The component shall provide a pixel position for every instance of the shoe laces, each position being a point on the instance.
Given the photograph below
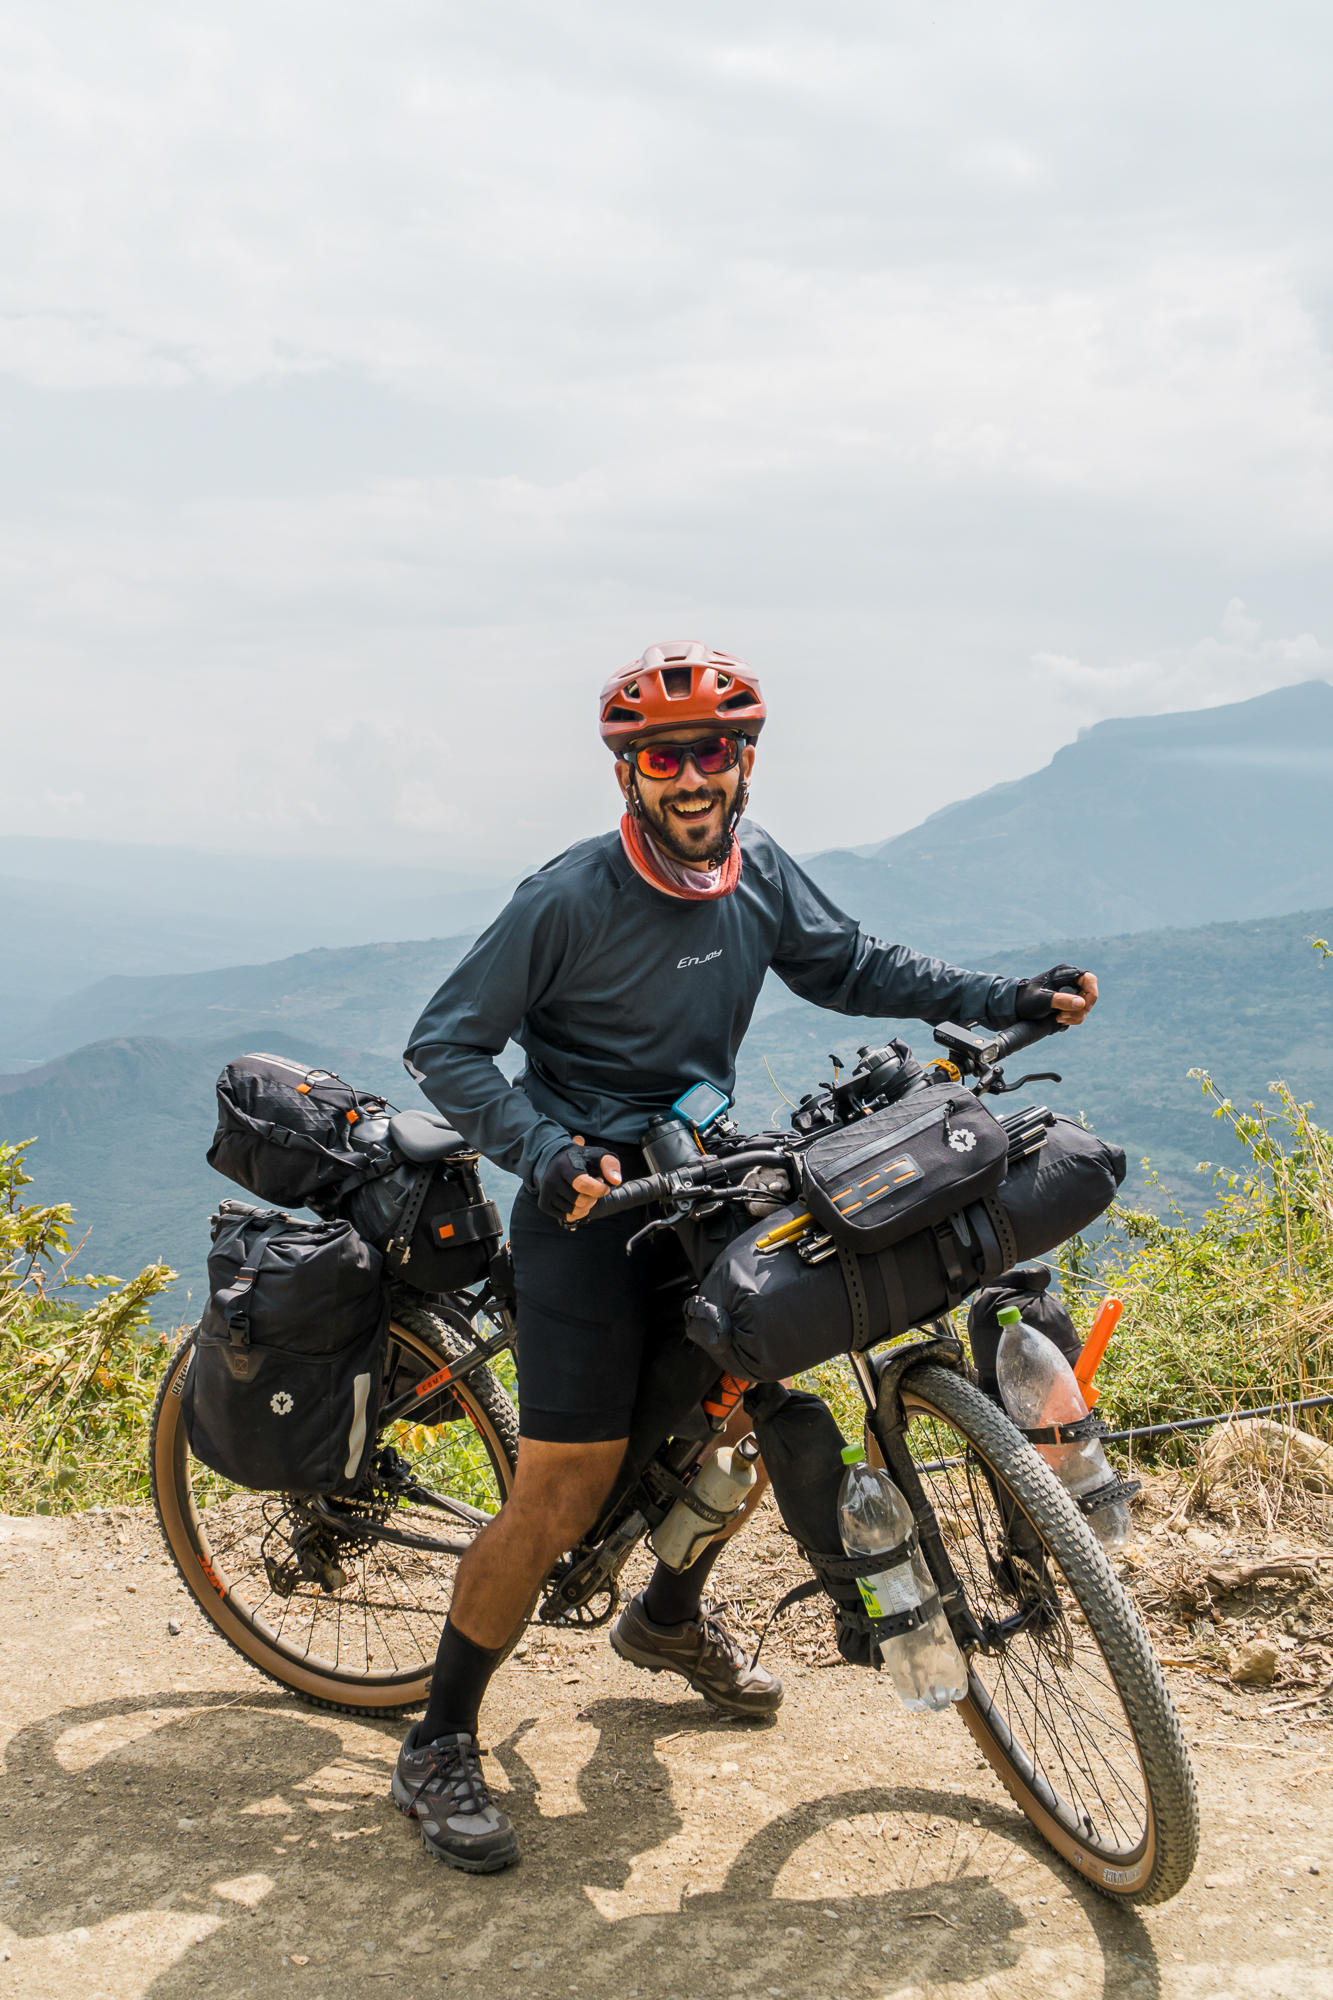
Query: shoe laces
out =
(454, 1764)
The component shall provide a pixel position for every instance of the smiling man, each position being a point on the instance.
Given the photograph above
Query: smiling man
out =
(627, 969)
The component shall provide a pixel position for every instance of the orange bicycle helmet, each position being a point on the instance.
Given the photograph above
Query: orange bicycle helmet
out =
(679, 684)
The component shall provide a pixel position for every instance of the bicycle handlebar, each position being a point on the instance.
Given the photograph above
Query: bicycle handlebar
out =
(636, 1194)
(1023, 1034)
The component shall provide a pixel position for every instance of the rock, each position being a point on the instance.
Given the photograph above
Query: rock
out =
(1272, 1447)
(1255, 1663)
(174, 1627)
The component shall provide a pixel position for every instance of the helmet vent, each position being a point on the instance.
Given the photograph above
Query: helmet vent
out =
(723, 681)
(617, 714)
(631, 691)
(678, 682)
(741, 699)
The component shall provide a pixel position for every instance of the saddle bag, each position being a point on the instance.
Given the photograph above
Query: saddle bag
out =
(434, 1224)
(283, 1391)
(284, 1131)
(765, 1314)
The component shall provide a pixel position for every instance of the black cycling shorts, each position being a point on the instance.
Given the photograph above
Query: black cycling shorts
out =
(588, 1315)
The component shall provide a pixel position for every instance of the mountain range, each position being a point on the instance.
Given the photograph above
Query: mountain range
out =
(1186, 858)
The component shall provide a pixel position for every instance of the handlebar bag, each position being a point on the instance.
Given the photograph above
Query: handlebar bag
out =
(905, 1168)
(434, 1224)
(284, 1131)
(765, 1314)
(283, 1390)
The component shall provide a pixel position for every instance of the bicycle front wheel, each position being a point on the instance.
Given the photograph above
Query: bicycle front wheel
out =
(1068, 1703)
(347, 1620)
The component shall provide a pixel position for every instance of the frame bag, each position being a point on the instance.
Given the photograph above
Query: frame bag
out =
(284, 1131)
(283, 1391)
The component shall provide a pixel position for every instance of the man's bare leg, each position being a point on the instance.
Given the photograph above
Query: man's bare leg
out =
(558, 1490)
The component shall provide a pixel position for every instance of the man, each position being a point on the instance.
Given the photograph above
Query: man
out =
(627, 969)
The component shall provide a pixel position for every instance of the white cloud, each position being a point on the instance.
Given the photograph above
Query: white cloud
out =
(369, 382)
(1231, 665)
(63, 801)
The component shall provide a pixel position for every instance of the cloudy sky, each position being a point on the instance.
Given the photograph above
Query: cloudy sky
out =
(373, 380)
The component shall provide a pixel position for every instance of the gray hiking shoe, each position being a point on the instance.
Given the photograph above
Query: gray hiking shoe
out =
(440, 1785)
(702, 1652)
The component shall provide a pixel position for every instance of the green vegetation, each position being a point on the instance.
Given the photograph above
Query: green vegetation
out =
(76, 1381)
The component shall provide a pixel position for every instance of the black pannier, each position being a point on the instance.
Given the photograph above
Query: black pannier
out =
(284, 1131)
(882, 1178)
(434, 1224)
(764, 1314)
(283, 1391)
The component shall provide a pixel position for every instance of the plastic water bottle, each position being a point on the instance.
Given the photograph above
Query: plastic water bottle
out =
(926, 1666)
(1038, 1387)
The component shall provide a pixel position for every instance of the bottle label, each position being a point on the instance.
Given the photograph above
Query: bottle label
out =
(888, 1592)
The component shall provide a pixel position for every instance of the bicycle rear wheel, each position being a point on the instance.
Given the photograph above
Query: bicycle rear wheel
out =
(348, 1622)
(1069, 1706)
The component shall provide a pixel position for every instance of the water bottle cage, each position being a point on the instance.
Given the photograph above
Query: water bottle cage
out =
(1106, 1496)
(1090, 1426)
(666, 1489)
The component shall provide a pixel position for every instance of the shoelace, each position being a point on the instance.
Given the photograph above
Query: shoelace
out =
(463, 1781)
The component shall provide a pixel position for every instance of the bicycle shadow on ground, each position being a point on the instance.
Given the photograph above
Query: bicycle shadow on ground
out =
(245, 1842)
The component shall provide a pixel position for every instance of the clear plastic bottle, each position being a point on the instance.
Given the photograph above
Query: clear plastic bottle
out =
(1038, 1387)
(926, 1666)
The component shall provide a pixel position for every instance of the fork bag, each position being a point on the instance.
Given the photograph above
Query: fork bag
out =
(283, 1390)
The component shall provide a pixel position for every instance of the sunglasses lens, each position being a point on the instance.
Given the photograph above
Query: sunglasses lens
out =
(716, 754)
(661, 762)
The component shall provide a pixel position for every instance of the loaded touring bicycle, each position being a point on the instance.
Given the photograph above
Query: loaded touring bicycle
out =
(331, 1437)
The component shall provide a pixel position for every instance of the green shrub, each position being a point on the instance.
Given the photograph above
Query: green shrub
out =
(76, 1382)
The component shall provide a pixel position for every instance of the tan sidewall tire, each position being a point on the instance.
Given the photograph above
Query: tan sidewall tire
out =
(188, 1542)
(1161, 1864)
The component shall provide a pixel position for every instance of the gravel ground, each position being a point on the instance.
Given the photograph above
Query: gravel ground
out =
(173, 1825)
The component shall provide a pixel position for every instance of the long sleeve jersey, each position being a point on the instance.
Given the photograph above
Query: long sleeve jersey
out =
(622, 997)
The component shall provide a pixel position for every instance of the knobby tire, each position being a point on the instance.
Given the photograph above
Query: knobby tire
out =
(1077, 1723)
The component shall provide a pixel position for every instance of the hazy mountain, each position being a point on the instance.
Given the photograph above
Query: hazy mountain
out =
(75, 911)
(1159, 820)
(123, 1124)
(364, 997)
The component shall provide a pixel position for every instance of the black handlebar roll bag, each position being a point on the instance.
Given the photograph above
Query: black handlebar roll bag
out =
(764, 1314)
(284, 1131)
(283, 1390)
(904, 1168)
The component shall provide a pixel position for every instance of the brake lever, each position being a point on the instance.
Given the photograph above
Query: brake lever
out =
(997, 1087)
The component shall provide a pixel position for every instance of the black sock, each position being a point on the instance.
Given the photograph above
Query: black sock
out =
(462, 1672)
(673, 1596)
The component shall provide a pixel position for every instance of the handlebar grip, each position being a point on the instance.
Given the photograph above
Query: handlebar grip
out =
(632, 1194)
(1023, 1034)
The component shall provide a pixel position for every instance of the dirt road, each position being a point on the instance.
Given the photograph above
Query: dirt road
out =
(173, 1825)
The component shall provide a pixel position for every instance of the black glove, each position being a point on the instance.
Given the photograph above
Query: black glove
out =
(1034, 995)
(557, 1194)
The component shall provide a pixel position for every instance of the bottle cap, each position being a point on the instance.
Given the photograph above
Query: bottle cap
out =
(1008, 1316)
(852, 1454)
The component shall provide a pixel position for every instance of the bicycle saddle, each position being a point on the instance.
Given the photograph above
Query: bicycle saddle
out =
(423, 1136)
